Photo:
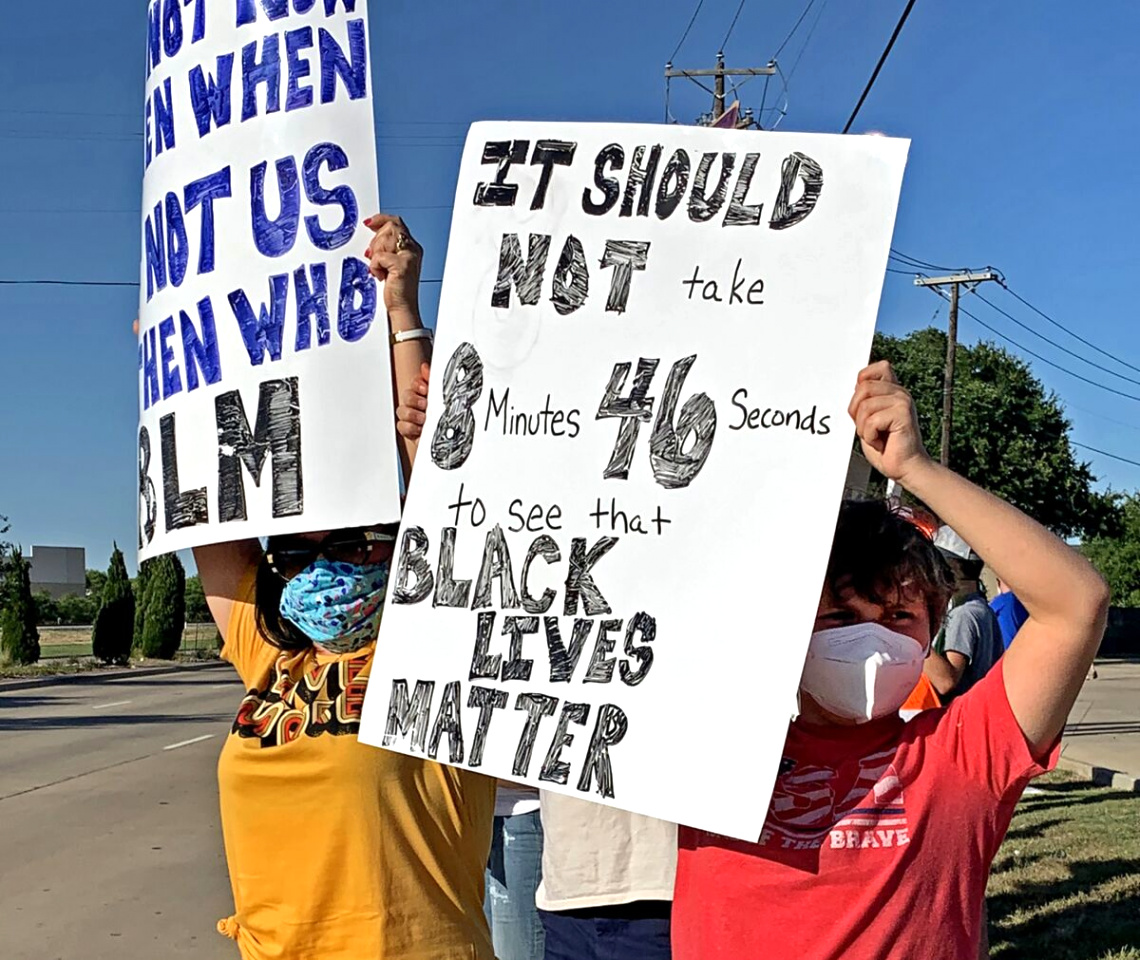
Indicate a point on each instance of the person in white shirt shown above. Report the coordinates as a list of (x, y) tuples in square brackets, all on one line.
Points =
[(607, 882)]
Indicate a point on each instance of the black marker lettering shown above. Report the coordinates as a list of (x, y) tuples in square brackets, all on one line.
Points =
[(499, 193), (553, 769), (563, 662), (609, 730), (409, 715), (537, 706), (488, 701)]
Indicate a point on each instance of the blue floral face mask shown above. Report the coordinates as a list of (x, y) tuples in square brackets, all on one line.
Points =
[(337, 605)]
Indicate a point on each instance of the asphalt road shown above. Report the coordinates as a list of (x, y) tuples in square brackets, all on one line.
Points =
[(110, 846)]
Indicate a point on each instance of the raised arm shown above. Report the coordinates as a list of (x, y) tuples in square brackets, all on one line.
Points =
[(222, 567), (1066, 598), (395, 258)]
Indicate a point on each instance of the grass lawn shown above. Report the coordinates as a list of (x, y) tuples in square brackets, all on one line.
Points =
[(1066, 883), (65, 649)]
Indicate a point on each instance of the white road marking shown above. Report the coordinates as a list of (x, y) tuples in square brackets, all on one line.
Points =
[(187, 743), (225, 686), (107, 706)]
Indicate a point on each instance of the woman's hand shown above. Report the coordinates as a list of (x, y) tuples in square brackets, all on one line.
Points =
[(395, 257), (887, 423), (411, 414)]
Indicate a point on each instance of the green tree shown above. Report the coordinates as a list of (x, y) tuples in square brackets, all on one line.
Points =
[(19, 639), (78, 611), (5, 549), (139, 585), (164, 617), (1009, 435), (197, 610), (114, 623), (1118, 557), (47, 609), (96, 579)]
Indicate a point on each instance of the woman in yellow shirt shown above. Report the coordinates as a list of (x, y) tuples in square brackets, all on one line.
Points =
[(336, 850)]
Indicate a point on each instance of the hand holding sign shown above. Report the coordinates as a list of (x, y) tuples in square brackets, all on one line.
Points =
[(394, 258), (411, 414), (887, 423)]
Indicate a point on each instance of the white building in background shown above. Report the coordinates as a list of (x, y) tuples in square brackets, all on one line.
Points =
[(59, 571)]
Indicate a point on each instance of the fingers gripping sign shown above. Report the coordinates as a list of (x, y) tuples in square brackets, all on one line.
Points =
[(411, 414), (886, 422), (395, 257)]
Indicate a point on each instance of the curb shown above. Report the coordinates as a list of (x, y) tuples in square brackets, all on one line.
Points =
[(1101, 776), (92, 676)]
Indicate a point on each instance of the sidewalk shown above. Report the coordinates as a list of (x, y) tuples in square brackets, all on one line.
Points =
[(149, 668), (1102, 739)]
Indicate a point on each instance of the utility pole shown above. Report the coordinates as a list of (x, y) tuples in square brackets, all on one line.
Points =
[(954, 282), (718, 92)]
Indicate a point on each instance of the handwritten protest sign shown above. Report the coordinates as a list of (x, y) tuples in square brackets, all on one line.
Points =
[(636, 444), (264, 381)]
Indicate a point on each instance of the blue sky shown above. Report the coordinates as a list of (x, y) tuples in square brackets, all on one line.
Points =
[(1020, 115)]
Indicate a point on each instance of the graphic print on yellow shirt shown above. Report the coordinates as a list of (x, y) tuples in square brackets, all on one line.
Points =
[(336, 850), (327, 699)]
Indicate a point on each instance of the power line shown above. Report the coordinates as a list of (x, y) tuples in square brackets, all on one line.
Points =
[(1046, 361), (1076, 336), (1053, 343), (67, 283), (685, 35), (908, 260), (792, 32), (1101, 416), (1104, 453), (1056, 366), (879, 65), (728, 35), (807, 42), (924, 264)]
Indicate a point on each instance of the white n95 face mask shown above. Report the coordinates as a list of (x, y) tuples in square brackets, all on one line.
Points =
[(862, 672)]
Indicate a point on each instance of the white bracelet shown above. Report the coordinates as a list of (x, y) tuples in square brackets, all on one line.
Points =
[(420, 333)]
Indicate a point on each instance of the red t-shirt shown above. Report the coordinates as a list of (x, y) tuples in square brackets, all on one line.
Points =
[(877, 845)]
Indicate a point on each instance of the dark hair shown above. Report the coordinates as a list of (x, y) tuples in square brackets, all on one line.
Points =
[(882, 557), (966, 569), (276, 630)]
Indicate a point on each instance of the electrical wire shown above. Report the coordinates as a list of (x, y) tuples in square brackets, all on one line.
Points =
[(731, 28), (685, 35), (924, 264), (879, 65), (1056, 366), (1061, 326), (792, 32), (1053, 343), (807, 41), (67, 283), (1037, 356), (1104, 453)]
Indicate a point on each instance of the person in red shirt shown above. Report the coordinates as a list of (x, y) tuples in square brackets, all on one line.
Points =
[(880, 834)]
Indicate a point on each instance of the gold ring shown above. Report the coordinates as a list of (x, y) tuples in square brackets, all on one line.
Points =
[(403, 241)]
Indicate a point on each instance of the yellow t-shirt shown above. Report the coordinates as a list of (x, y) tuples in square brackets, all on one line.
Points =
[(337, 850)]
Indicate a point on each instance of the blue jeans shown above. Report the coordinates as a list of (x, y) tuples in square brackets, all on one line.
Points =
[(514, 870), (628, 931)]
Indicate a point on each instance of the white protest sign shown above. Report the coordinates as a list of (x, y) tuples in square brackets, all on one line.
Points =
[(637, 441), (265, 390)]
